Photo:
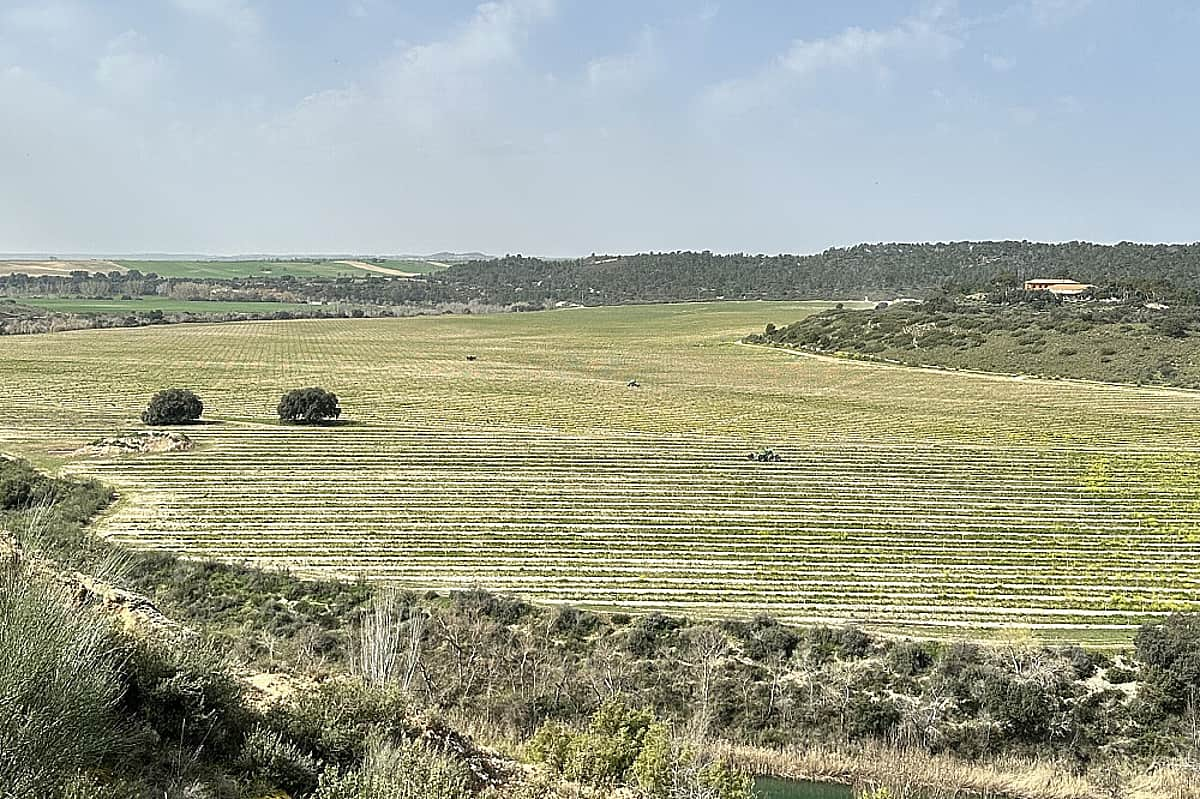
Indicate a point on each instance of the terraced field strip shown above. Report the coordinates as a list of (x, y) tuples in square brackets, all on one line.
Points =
[(927, 502)]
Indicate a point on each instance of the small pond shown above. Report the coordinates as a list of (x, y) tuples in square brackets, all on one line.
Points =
[(770, 788)]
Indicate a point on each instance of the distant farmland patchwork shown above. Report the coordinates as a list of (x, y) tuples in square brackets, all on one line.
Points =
[(907, 499), (317, 267), (87, 306), (227, 269)]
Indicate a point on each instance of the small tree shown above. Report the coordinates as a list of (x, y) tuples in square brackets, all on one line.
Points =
[(309, 406), (173, 406)]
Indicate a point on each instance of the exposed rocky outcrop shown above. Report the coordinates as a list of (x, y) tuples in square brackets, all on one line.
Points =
[(138, 443), (135, 613)]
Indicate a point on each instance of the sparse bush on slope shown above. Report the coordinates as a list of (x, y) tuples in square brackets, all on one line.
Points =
[(58, 688), (404, 771)]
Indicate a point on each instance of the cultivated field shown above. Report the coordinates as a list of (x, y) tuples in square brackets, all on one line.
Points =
[(59, 268), (87, 306), (276, 268), (930, 501)]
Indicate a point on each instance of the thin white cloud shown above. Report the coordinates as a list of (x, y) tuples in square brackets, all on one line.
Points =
[(457, 75), (237, 15), (999, 63), (127, 68), (493, 34), (625, 71), (926, 37), (60, 22), (1048, 13)]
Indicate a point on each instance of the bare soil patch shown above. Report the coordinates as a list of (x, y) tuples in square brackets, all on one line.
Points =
[(57, 267), (383, 270)]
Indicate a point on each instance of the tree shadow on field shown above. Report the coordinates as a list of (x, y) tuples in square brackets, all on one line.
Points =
[(167, 428), (327, 423)]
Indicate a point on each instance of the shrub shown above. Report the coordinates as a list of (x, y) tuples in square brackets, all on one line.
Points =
[(58, 687), (404, 771), (603, 754), (650, 632), (309, 406), (654, 767), (909, 658), (550, 745), (571, 622), (502, 609), (173, 406), (280, 763), (22, 486), (764, 637), (183, 693), (334, 721)]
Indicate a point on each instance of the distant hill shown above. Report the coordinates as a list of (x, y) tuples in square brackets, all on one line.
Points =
[(451, 256)]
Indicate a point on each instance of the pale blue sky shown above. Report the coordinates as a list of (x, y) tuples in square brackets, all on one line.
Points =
[(565, 127)]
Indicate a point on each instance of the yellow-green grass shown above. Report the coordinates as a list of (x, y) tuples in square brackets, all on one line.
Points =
[(907, 500)]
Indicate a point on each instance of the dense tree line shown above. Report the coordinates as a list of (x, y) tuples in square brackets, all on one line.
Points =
[(1165, 271), (874, 269)]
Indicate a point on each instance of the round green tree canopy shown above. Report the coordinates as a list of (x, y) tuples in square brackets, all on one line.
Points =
[(173, 406), (309, 406)]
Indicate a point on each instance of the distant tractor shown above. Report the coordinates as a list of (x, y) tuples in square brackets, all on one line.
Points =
[(765, 456), (472, 357)]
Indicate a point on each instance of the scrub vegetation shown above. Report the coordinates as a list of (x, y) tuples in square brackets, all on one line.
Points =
[(1109, 334)]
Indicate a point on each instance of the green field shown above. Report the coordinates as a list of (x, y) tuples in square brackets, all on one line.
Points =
[(313, 268), (931, 502), (80, 305)]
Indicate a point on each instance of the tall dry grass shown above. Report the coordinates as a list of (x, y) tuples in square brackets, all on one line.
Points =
[(912, 773), (388, 651)]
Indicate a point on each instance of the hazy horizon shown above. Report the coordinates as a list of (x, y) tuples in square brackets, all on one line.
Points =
[(184, 256), (561, 128)]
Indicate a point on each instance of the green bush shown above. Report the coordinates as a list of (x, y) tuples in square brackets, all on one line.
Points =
[(603, 754), (274, 761), (622, 746), (335, 721), (184, 696), (654, 768), (404, 771), (58, 689), (551, 745), (22, 486)]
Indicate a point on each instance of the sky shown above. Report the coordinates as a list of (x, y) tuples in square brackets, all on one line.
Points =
[(565, 127)]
